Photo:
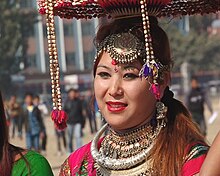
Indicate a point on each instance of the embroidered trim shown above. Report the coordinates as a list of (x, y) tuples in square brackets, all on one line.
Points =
[(196, 151), (65, 169)]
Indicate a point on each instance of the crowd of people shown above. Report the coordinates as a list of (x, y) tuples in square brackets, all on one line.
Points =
[(25, 120)]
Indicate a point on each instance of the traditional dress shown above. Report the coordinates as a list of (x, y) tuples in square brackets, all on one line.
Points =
[(81, 162)]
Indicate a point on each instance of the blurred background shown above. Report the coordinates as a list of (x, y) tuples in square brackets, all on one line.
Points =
[(24, 62)]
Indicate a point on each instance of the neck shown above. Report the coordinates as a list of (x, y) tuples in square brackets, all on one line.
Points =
[(143, 123)]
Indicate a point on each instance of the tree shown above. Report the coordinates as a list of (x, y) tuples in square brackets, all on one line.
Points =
[(14, 26), (197, 47)]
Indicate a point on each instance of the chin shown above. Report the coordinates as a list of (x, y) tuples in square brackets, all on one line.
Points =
[(119, 125)]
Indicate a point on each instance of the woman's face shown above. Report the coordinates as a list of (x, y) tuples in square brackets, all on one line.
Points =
[(124, 99)]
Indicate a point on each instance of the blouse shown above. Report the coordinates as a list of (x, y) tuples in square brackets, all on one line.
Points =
[(35, 165)]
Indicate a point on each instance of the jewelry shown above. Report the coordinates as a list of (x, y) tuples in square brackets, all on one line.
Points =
[(114, 62), (58, 115), (54, 64), (129, 8), (122, 48), (161, 110), (129, 144), (122, 163), (144, 169)]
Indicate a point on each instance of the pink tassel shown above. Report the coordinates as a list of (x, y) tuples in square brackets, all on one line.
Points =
[(59, 117), (42, 11), (156, 91)]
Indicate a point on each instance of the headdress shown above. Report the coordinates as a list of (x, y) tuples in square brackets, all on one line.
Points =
[(116, 9)]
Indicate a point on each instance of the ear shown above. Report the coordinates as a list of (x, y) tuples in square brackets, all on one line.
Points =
[(165, 82)]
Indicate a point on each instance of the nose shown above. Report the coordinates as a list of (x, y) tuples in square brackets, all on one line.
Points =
[(116, 89)]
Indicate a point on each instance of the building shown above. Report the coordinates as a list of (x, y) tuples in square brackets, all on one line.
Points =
[(74, 42), (75, 49)]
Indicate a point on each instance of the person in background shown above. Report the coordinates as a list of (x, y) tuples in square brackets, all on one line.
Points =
[(60, 136), (90, 114), (16, 161), (210, 166), (74, 109), (44, 111), (33, 122), (14, 110), (195, 101)]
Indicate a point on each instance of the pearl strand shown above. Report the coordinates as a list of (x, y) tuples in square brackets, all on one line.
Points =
[(150, 58), (53, 56)]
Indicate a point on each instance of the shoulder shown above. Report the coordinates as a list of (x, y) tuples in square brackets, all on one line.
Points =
[(74, 162), (79, 162), (38, 164), (194, 159), (32, 164)]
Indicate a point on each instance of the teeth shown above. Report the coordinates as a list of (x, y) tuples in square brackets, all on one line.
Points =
[(116, 106)]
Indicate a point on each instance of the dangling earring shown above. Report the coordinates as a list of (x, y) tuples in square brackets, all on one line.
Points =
[(161, 110), (161, 113), (160, 116)]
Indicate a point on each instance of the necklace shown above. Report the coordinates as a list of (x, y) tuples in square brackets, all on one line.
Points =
[(129, 144), (120, 162)]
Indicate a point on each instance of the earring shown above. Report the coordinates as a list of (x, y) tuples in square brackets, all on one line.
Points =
[(161, 110), (160, 116)]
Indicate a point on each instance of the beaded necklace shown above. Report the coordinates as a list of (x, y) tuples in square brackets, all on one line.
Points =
[(121, 154)]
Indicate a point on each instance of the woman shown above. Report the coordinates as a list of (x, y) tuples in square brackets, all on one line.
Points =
[(150, 133), (16, 161), (211, 164)]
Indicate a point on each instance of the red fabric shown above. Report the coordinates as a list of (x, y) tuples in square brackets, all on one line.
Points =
[(193, 166)]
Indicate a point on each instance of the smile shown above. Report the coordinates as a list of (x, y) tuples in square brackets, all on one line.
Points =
[(116, 106)]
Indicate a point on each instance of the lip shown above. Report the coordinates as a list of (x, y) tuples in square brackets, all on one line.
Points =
[(116, 106)]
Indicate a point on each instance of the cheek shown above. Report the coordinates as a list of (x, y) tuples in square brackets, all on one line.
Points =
[(142, 93), (100, 89)]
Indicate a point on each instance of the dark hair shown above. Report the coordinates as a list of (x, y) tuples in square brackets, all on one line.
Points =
[(37, 97), (7, 150), (28, 94), (72, 90), (3, 128), (194, 78)]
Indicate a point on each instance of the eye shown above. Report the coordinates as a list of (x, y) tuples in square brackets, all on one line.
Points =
[(104, 75), (130, 76)]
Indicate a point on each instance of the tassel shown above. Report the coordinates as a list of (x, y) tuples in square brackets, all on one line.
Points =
[(155, 88), (59, 117), (145, 71)]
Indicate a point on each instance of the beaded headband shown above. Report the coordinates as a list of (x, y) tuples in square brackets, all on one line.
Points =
[(115, 9)]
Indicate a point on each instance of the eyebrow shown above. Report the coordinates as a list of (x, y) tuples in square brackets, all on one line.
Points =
[(130, 67), (103, 66), (126, 67)]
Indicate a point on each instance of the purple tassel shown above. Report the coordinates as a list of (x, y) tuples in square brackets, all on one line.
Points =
[(146, 71)]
